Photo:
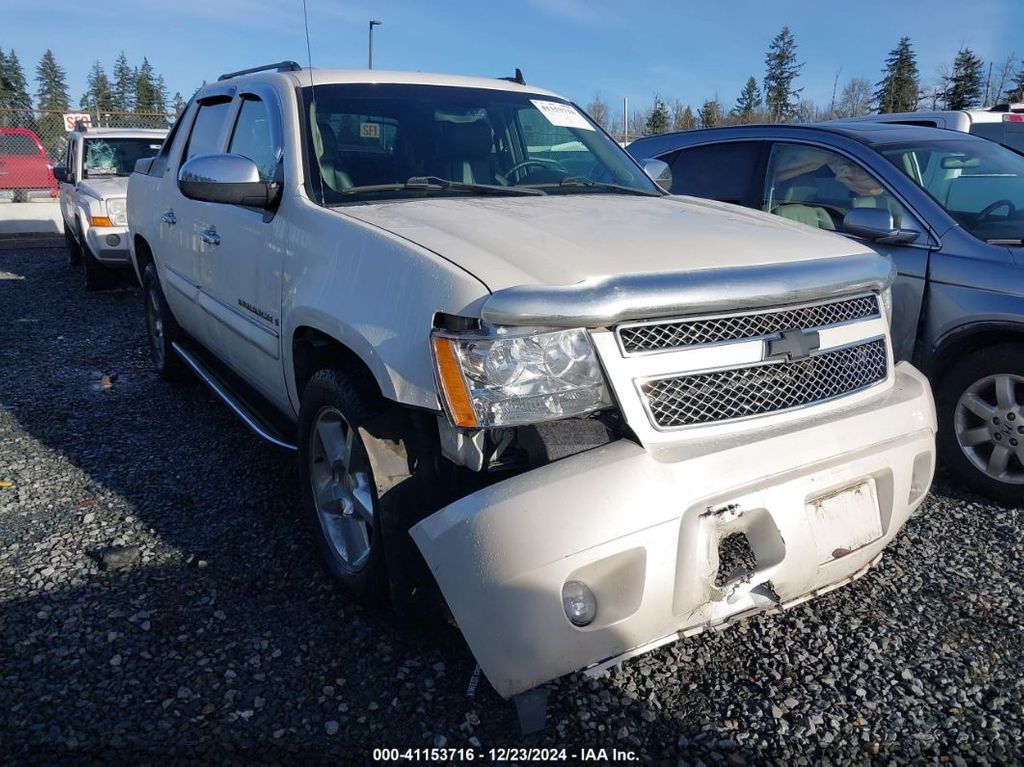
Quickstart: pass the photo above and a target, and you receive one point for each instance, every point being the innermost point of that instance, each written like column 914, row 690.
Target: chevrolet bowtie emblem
column 793, row 345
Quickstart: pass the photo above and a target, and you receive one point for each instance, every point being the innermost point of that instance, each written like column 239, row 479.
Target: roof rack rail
column 518, row 78
column 281, row 66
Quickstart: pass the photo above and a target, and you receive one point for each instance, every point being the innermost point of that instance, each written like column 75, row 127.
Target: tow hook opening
column 736, row 559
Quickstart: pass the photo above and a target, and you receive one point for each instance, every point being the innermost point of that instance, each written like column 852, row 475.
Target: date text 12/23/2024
column 497, row 755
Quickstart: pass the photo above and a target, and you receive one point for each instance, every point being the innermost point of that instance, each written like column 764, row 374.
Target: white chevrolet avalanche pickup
column 593, row 417
column 93, row 186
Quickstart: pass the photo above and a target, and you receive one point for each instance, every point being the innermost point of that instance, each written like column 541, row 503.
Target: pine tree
column 748, row 102
column 179, row 104
column 146, row 93
column 52, row 99
column 900, row 85
column 5, row 84
column 124, row 85
column 657, row 121
column 161, row 95
column 781, row 70
column 19, row 97
column 966, row 81
column 99, row 95
column 710, row 113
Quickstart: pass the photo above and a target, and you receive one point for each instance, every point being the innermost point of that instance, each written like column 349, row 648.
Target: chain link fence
column 33, row 141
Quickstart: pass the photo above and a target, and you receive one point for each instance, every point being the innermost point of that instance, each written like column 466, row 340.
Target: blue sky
column 678, row 48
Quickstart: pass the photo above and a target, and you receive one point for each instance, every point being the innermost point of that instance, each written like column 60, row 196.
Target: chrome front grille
column 723, row 395
column 638, row 338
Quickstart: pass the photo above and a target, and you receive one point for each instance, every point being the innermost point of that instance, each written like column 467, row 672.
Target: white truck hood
column 567, row 239
column 104, row 187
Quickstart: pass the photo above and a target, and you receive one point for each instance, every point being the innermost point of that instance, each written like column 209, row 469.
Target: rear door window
column 208, row 128
column 727, row 172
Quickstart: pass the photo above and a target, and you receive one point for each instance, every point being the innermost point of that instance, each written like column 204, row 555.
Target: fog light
column 113, row 240
column 579, row 603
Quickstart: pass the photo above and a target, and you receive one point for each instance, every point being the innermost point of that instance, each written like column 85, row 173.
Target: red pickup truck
column 24, row 165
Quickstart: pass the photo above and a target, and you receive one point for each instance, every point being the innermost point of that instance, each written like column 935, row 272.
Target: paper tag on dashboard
column 369, row 130
column 562, row 115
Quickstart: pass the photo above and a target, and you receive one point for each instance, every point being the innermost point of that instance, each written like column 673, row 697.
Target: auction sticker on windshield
column 562, row 115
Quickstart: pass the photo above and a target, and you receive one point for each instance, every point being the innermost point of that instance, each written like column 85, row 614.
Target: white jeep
column 93, row 184
column 598, row 417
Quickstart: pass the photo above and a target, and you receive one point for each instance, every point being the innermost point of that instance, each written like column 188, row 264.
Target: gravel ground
column 218, row 637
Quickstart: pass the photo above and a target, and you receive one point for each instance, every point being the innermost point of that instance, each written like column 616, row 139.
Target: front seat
column 333, row 176
column 466, row 152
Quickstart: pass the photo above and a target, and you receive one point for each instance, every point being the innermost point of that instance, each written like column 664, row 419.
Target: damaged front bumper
column 816, row 499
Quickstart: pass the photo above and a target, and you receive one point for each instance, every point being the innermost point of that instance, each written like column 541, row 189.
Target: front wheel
column 367, row 474
column 74, row 249
column 980, row 404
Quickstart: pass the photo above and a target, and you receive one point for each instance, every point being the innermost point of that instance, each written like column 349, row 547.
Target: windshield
column 116, row 156
column 979, row 183
column 366, row 142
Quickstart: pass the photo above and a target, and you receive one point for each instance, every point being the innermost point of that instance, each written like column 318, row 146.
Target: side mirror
column 61, row 174
column 876, row 224
column 659, row 172
column 226, row 178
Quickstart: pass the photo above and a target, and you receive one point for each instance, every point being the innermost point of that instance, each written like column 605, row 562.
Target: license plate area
column 845, row 519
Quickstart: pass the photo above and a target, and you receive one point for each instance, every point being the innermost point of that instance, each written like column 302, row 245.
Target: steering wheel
column 1011, row 209
column 545, row 163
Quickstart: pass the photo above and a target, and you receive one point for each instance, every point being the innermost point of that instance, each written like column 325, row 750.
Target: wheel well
column 313, row 350
column 966, row 341
column 143, row 255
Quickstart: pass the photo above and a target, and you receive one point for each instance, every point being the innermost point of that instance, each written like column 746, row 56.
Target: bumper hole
column 735, row 557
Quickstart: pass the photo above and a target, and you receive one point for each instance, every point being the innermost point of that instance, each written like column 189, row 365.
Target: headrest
column 466, row 140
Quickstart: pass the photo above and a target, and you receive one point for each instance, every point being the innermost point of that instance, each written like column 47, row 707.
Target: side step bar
column 248, row 414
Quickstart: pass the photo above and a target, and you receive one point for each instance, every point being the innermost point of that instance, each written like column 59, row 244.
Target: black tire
column 162, row 329
column 97, row 276
column 389, row 440
column 1007, row 430
column 74, row 249
column 20, row 195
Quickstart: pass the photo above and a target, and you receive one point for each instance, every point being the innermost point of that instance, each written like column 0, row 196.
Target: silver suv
column 93, row 189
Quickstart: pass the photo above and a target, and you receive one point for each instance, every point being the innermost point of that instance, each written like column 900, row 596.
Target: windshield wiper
column 588, row 183
column 433, row 183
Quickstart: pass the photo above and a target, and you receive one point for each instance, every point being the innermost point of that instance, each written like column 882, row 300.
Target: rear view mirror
column 876, row 224
column 659, row 172
column 226, row 178
column 959, row 162
column 61, row 174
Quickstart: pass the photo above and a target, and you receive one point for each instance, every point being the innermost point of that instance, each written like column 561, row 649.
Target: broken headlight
column 514, row 378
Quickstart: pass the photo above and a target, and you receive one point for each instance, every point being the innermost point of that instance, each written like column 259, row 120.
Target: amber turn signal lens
column 100, row 221
column 453, row 383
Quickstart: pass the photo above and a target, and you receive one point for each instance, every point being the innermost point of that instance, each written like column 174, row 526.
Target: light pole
column 373, row 23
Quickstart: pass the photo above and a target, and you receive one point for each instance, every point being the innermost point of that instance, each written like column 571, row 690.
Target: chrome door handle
column 168, row 218
column 210, row 236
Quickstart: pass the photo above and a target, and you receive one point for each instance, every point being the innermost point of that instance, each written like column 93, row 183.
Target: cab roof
column 303, row 78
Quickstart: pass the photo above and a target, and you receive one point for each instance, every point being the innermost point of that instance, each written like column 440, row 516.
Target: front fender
column 346, row 334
